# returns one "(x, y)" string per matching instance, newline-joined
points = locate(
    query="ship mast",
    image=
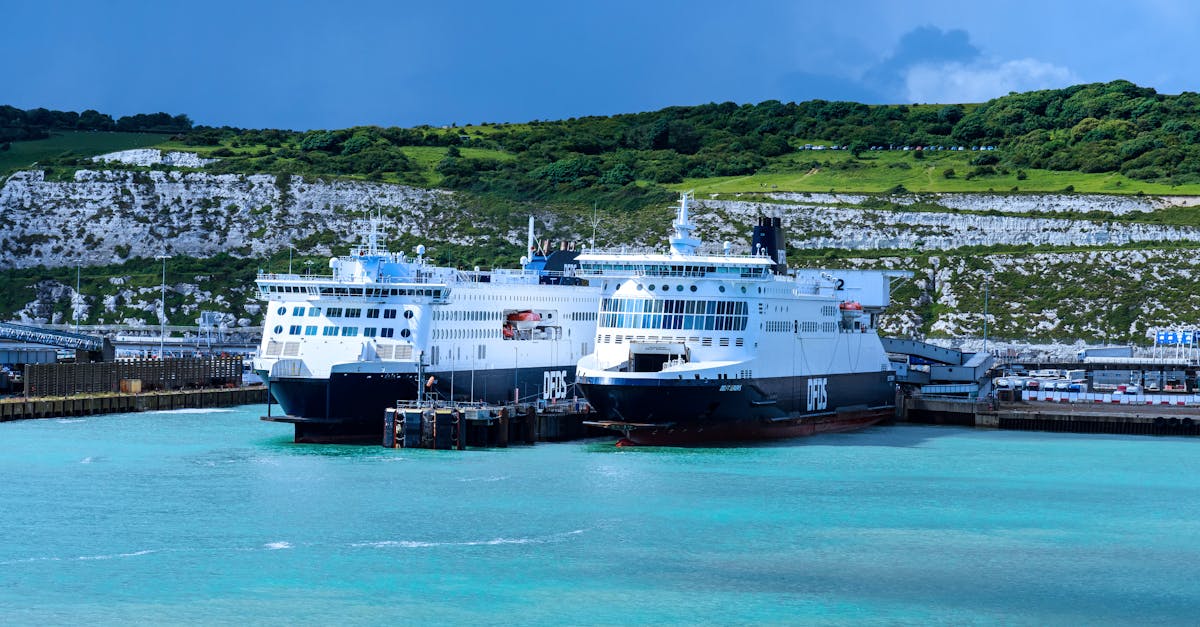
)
(682, 241)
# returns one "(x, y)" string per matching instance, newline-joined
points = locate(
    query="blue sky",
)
(305, 65)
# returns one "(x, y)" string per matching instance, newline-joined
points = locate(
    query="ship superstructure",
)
(695, 347)
(339, 348)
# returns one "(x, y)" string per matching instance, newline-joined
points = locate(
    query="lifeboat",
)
(850, 305)
(524, 320)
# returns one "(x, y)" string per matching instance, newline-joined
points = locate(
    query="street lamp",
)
(162, 337)
(987, 279)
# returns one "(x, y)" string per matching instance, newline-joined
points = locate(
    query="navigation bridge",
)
(97, 348)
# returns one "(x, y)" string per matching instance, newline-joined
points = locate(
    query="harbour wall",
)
(111, 403)
(1085, 417)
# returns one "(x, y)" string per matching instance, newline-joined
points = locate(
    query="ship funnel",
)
(768, 240)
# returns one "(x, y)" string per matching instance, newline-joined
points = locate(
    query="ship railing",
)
(440, 404)
(652, 272)
(647, 250)
(420, 278)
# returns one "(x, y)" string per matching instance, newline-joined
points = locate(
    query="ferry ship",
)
(697, 347)
(339, 349)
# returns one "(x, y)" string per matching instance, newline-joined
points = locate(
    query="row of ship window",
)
(368, 292)
(340, 312)
(699, 315)
(335, 331)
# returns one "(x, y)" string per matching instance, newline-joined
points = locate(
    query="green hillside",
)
(1105, 137)
(63, 145)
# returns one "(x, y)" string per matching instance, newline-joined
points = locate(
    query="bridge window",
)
(329, 331)
(370, 331)
(349, 331)
(294, 329)
(314, 312)
(310, 329)
(298, 311)
(389, 313)
(387, 332)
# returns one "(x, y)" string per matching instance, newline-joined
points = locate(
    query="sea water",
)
(212, 516)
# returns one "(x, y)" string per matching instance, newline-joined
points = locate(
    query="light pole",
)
(78, 299)
(987, 279)
(162, 337)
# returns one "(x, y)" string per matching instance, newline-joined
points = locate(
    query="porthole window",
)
(282, 310)
(721, 288)
(679, 288)
(408, 313)
(743, 289)
(405, 333)
(639, 287)
(650, 287)
(666, 287)
(693, 288)
(279, 328)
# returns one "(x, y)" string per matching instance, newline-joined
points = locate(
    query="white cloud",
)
(980, 81)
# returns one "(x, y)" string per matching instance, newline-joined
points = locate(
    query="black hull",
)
(682, 412)
(349, 407)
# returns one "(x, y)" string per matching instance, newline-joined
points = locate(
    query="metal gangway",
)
(950, 371)
(99, 346)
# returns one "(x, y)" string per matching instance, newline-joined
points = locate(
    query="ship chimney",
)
(767, 240)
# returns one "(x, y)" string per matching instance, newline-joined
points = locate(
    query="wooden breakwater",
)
(1055, 417)
(112, 403)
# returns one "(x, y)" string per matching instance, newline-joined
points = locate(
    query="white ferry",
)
(338, 349)
(693, 347)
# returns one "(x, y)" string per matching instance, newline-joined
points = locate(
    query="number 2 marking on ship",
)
(818, 397)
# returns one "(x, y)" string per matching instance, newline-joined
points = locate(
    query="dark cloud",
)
(884, 82)
(925, 45)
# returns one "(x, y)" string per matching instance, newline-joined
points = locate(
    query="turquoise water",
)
(216, 517)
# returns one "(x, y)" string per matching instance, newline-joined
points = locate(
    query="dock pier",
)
(121, 402)
(459, 425)
(1033, 415)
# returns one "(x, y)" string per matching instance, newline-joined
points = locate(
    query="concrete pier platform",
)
(1051, 416)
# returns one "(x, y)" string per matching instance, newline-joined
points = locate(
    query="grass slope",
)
(82, 143)
(880, 171)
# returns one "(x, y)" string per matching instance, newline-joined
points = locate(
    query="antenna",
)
(595, 221)
(529, 242)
